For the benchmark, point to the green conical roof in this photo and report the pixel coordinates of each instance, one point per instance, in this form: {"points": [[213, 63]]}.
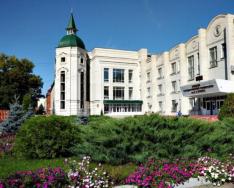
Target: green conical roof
{"points": [[71, 39], [71, 24]]}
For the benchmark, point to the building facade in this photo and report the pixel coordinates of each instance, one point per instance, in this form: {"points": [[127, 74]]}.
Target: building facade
{"points": [[193, 77]]}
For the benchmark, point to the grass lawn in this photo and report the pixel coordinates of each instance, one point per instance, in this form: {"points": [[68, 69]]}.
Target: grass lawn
{"points": [[9, 165]]}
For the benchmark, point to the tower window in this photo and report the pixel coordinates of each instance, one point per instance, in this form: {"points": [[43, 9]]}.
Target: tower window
{"points": [[62, 90], [63, 59], [81, 60]]}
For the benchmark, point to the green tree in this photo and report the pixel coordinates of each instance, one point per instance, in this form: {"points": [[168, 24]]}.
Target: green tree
{"points": [[16, 77], [27, 101], [227, 110], [16, 117]]}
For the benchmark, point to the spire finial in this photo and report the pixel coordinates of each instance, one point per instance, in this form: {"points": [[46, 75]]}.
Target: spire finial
{"points": [[71, 27], [71, 10]]}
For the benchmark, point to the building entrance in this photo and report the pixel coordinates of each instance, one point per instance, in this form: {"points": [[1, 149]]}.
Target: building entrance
{"points": [[212, 105]]}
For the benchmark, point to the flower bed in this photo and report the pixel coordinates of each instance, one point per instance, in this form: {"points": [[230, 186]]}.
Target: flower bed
{"points": [[82, 176], [156, 173], [45, 177]]}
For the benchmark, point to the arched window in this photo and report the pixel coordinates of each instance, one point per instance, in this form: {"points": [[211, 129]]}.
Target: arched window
{"points": [[81, 60], [62, 90]]}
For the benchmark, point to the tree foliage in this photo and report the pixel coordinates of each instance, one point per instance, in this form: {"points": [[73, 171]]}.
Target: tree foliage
{"points": [[227, 110], [16, 117], [16, 77]]}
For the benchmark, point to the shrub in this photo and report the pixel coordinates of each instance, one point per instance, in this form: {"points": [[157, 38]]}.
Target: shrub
{"points": [[134, 139], [45, 137], [227, 110]]}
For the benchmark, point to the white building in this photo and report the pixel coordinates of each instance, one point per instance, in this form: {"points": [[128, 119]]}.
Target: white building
{"points": [[192, 77]]}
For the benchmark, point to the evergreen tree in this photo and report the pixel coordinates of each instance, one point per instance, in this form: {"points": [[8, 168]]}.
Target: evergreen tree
{"points": [[15, 118], [227, 110]]}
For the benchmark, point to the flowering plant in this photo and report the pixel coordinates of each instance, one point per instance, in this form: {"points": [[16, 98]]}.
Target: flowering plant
{"points": [[45, 177], [161, 174], [82, 176], [216, 171], [6, 143], [157, 173]]}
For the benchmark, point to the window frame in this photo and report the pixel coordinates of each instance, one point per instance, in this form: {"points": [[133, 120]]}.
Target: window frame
{"points": [[106, 71], [173, 68], [62, 92], [106, 89], [118, 90], [213, 57], [191, 71], [118, 75]]}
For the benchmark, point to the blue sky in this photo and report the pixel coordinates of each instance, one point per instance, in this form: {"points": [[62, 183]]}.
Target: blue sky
{"points": [[32, 28]]}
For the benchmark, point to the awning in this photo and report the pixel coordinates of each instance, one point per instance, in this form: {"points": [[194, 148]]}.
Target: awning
{"points": [[208, 88], [123, 102]]}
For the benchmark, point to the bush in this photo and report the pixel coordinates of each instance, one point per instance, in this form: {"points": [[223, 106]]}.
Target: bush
{"points": [[134, 139], [227, 110], [45, 137]]}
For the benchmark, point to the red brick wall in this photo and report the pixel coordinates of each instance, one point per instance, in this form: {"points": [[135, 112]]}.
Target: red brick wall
{"points": [[3, 115], [48, 103]]}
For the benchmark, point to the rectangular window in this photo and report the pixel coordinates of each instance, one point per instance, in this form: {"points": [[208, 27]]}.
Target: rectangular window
{"points": [[148, 77], [62, 77], [160, 74], [118, 93], [130, 92], [213, 57], [106, 92], [63, 59], [106, 75], [118, 75], [160, 89], [223, 51], [198, 64], [148, 91], [160, 106], [62, 87], [173, 68], [130, 75], [82, 90], [174, 87], [174, 106], [191, 67], [62, 90]]}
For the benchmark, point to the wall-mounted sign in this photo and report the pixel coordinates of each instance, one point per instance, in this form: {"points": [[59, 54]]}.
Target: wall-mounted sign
{"points": [[210, 87]]}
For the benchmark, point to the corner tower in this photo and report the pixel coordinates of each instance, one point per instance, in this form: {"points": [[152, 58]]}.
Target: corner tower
{"points": [[71, 74]]}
